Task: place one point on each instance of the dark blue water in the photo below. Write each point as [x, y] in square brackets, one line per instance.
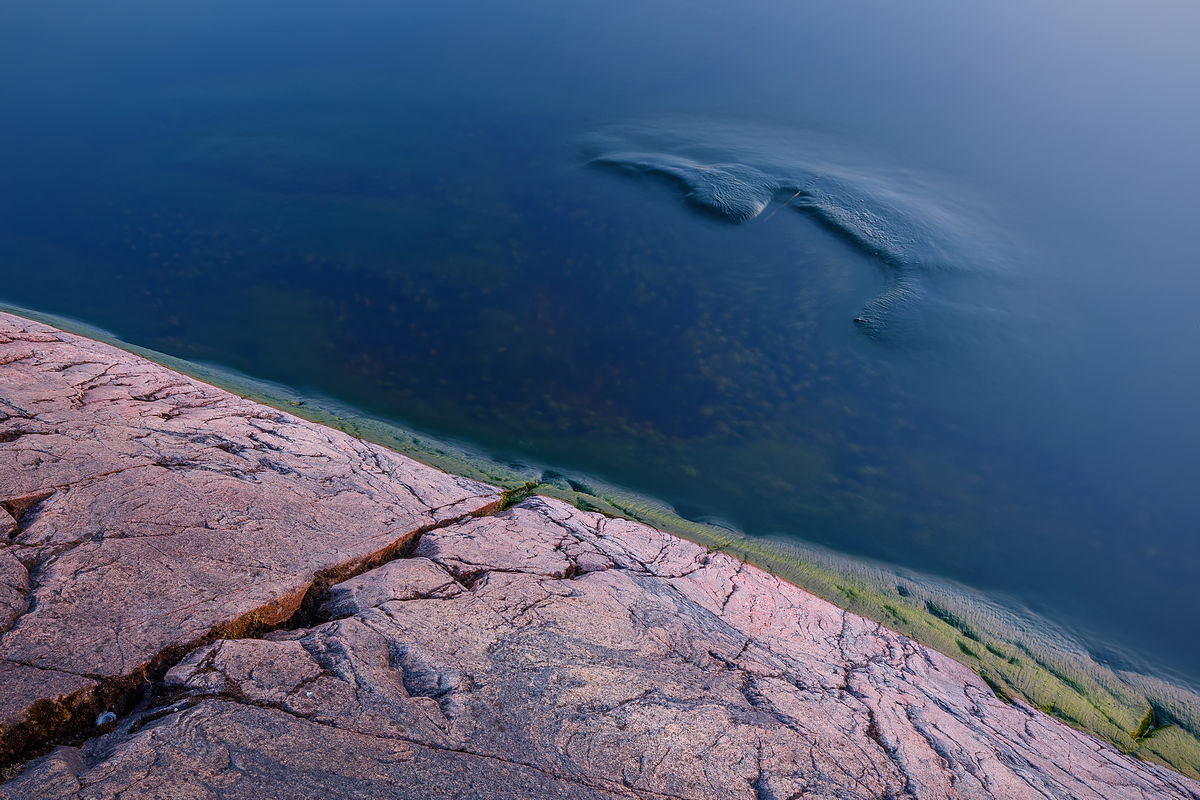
[916, 281]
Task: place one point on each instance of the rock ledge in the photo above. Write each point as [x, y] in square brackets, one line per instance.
[275, 609]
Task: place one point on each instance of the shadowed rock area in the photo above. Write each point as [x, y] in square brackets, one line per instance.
[367, 627]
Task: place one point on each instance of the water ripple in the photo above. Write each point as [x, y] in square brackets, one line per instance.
[893, 218]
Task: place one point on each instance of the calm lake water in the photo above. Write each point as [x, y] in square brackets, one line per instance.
[917, 281]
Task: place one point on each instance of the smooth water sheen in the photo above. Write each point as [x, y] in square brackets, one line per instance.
[916, 281]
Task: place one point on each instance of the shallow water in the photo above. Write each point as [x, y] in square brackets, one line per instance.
[634, 240]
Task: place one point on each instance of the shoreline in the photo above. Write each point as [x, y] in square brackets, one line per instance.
[1019, 655]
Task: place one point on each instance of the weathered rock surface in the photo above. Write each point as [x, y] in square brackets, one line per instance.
[535, 652]
[145, 511]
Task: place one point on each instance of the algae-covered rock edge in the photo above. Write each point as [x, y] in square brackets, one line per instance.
[1146, 716]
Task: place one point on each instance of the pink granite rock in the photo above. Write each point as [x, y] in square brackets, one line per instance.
[491, 665]
[145, 512]
[535, 652]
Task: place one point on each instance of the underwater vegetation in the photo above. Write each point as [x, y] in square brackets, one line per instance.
[890, 218]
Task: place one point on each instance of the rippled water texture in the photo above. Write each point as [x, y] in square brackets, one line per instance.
[740, 174]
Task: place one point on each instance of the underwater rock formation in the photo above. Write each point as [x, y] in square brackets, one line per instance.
[367, 627]
[737, 176]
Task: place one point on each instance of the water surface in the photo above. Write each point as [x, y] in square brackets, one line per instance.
[914, 281]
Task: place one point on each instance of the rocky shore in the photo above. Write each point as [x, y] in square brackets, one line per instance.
[204, 597]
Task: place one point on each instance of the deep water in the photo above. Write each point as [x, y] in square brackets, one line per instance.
[917, 282]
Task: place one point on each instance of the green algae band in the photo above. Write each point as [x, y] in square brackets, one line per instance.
[1021, 655]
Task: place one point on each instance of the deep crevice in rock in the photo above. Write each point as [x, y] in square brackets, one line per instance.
[141, 696]
[20, 508]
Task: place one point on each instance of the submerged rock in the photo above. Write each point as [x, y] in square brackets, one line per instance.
[539, 651]
[734, 191]
[912, 234]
